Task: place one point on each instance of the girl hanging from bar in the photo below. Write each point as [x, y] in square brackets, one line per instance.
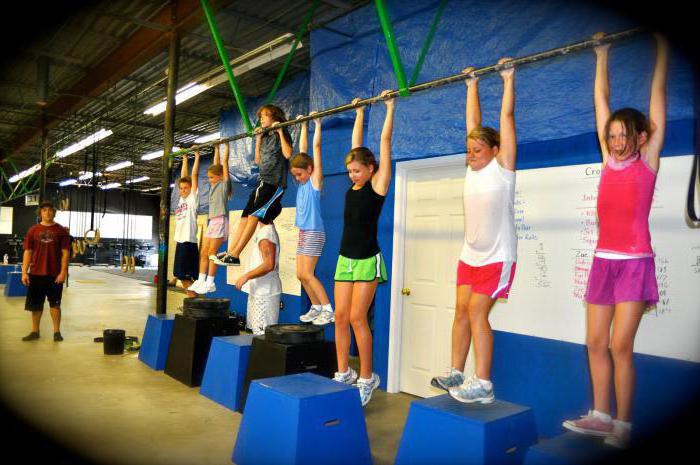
[622, 279]
[360, 266]
[308, 173]
[486, 265]
[217, 228]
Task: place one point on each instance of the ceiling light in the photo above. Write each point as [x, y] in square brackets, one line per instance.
[68, 182]
[141, 179]
[89, 140]
[25, 173]
[255, 58]
[157, 154]
[207, 138]
[85, 175]
[111, 185]
[118, 166]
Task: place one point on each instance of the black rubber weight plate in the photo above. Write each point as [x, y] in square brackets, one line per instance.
[205, 312]
[293, 334]
[204, 302]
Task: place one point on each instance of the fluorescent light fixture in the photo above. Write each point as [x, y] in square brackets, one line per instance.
[208, 138]
[80, 145]
[68, 182]
[85, 175]
[151, 189]
[118, 166]
[156, 154]
[111, 185]
[25, 173]
[141, 179]
[251, 60]
[172, 184]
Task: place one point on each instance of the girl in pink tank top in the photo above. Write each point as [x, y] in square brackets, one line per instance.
[622, 280]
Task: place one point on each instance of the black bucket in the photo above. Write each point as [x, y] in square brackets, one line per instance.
[114, 341]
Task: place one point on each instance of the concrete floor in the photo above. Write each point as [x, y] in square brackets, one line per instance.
[116, 410]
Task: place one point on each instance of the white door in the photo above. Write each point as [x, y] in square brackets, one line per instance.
[433, 239]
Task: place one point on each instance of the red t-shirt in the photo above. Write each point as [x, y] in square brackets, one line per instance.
[46, 243]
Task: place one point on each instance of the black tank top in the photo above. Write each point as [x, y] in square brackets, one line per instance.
[362, 209]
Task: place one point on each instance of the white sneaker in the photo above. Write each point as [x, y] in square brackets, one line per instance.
[196, 287]
[208, 287]
[310, 315]
[324, 318]
[349, 377]
[367, 387]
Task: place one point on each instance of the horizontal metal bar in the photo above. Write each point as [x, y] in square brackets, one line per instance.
[479, 72]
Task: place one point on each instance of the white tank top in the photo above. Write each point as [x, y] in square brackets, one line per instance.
[270, 283]
[489, 219]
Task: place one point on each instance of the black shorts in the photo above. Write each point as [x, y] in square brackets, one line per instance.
[186, 267]
[41, 288]
[265, 203]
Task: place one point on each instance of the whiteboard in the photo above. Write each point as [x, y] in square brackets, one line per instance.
[6, 220]
[288, 235]
[556, 222]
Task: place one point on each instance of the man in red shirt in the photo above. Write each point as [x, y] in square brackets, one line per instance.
[44, 269]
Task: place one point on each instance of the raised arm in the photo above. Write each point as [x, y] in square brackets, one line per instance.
[285, 143]
[304, 136]
[183, 168]
[224, 161]
[258, 141]
[216, 160]
[317, 174]
[195, 170]
[657, 105]
[473, 108]
[507, 151]
[381, 180]
[358, 128]
[601, 93]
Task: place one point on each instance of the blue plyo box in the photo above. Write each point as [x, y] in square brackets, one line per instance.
[14, 286]
[4, 269]
[443, 430]
[570, 449]
[225, 371]
[156, 340]
[301, 419]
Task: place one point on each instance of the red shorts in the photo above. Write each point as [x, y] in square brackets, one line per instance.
[493, 279]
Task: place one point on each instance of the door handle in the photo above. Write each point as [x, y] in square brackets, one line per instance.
[406, 291]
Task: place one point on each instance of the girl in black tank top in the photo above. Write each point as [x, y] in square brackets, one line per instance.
[360, 265]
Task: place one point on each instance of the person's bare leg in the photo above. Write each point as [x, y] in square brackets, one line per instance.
[56, 318]
[343, 300]
[598, 320]
[214, 244]
[362, 295]
[461, 332]
[306, 266]
[239, 231]
[480, 306]
[625, 324]
[36, 320]
[245, 236]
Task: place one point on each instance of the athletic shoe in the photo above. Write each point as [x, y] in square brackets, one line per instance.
[349, 377]
[196, 287]
[620, 436]
[590, 425]
[453, 379]
[34, 335]
[224, 259]
[310, 315]
[324, 318]
[367, 388]
[207, 288]
[57, 336]
[472, 391]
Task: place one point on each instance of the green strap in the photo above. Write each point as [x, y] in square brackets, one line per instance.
[385, 22]
[300, 33]
[428, 42]
[227, 65]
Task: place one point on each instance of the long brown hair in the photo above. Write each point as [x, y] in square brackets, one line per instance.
[634, 122]
[276, 113]
[362, 155]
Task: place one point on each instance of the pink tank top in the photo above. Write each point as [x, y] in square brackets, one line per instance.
[625, 193]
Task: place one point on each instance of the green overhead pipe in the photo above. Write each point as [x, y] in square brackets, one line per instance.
[393, 49]
[227, 65]
[428, 42]
[301, 32]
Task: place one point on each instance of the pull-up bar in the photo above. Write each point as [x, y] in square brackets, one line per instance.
[516, 62]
